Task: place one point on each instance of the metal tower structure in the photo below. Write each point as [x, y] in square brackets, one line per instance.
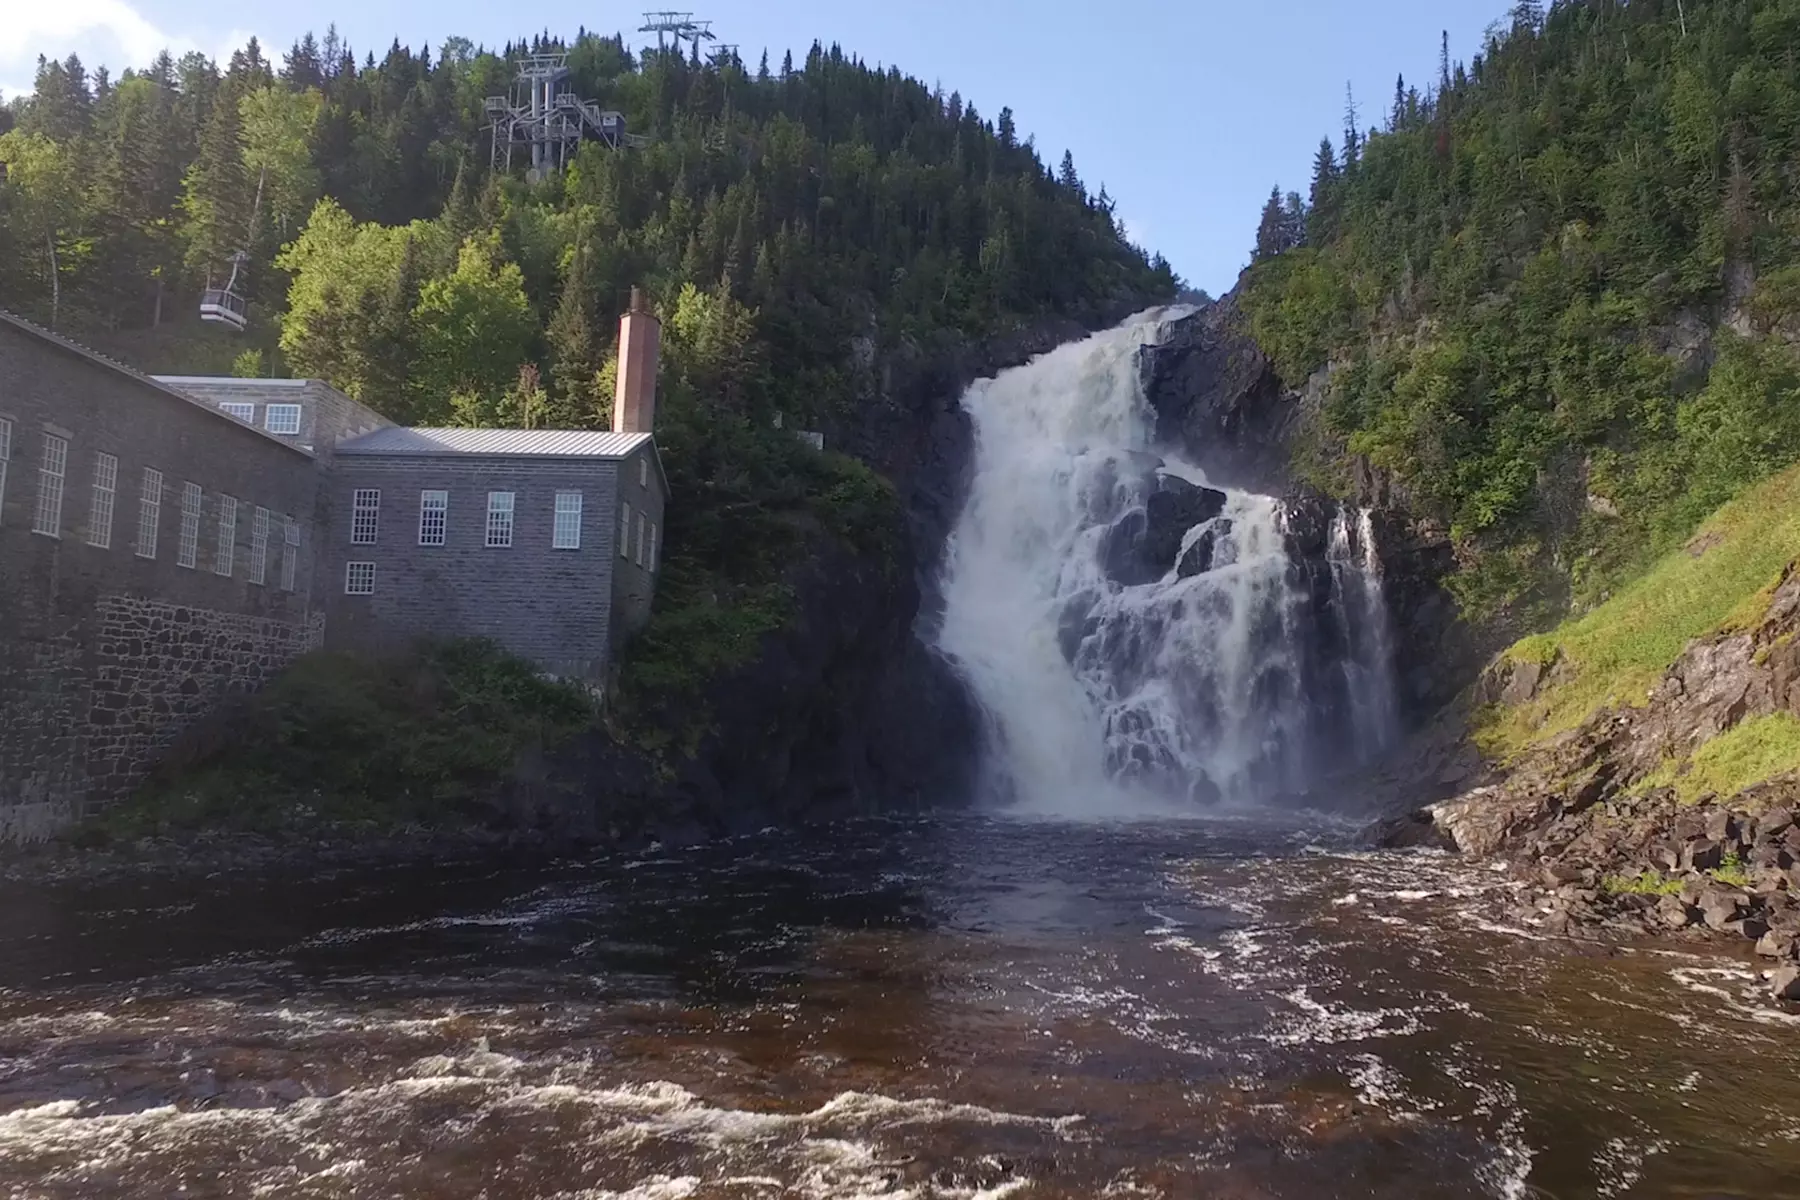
[679, 26]
[546, 119]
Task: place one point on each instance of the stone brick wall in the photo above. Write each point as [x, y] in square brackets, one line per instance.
[641, 485]
[108, 650]
[327, 416]
[552, 606]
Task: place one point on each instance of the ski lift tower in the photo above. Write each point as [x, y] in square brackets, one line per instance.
[678, 26]
[547, 120]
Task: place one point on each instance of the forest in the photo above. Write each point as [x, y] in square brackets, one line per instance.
[1554, 295]
[788, 221]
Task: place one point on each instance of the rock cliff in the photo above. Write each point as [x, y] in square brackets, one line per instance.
[1217, 396]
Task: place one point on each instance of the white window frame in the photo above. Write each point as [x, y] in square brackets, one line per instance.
[53, 470]
[193, 501]
[149, 512]
[566, 532]
[359, 579]
[290, 552]
[365, 516]
[290, 417]
[625, 529]
[225, 552]
[6, 440]
[259, 546]
[639, 559]
[434, 517]
[237, 408]
[643, 471]
[652, 566]
[500, 519]
[106, 495]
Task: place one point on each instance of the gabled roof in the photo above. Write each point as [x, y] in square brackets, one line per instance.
[534, 443]
[136, 376]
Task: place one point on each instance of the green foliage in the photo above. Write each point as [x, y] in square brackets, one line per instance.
[1646, 883]
[1507, 278]
[413, 740]
[1747, 754]
[1733, 872]
[1615, 653]
[473, 327]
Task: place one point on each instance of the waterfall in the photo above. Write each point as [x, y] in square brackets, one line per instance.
[1135, 636]
[1367, 631]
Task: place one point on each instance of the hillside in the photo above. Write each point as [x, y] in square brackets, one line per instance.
[1557, 292]
[812, 233]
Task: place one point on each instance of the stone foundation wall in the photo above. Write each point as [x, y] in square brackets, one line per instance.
[87, 713]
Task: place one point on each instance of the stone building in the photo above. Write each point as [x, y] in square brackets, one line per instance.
[165, 542]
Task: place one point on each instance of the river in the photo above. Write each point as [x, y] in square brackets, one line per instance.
[936, 1007]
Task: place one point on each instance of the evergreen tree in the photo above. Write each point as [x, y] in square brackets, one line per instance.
[1271, 231]
[1322, 218]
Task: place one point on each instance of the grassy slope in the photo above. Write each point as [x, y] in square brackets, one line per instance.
[1616, 653]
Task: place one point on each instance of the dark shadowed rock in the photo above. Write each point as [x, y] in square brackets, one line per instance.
[1200, 556]
[1175, 507]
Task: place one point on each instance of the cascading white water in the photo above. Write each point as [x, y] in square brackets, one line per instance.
[1112, 679]
[1366, 628]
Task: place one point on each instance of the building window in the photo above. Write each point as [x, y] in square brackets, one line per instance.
[290, 552]
[106, 491]
[500, 519]
[51, 471]
[653, 546]
[567, 534]
[359, 579]
[624, 530]
[243, 412]
[434, 518]
[149, 512]
[282, 418]
[226, 554]
[643, 472]
[188, 551]
[640, 540]
[5, 458]
[259, 545]
[365, 516]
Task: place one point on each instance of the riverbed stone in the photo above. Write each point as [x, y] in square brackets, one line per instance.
[1719, 907]
[1776, 945]
[1785, 983]
[1703, 855]
[1676, 913]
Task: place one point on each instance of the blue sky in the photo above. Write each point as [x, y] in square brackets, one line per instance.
[1188, 110]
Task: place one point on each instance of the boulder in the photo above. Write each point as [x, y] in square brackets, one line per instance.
[1785, 983]
[1776, 945]
[1703, 855]
[1175, 507]
[1676, 913]
[1719, 907]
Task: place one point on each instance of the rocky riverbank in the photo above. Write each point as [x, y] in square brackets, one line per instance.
[1673, 816]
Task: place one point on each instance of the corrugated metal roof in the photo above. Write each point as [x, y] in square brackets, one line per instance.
[541, 443]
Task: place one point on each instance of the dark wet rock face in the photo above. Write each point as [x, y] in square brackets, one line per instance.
[1144, 545]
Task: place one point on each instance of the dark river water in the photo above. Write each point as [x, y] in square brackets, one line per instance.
[932, 1008]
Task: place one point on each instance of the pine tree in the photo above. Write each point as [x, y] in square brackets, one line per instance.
[1271, 231]
[1322, 215]
[1067, 177]
[1352, 134]
[574, 344]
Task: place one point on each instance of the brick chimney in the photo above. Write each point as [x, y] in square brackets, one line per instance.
[640, 352]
